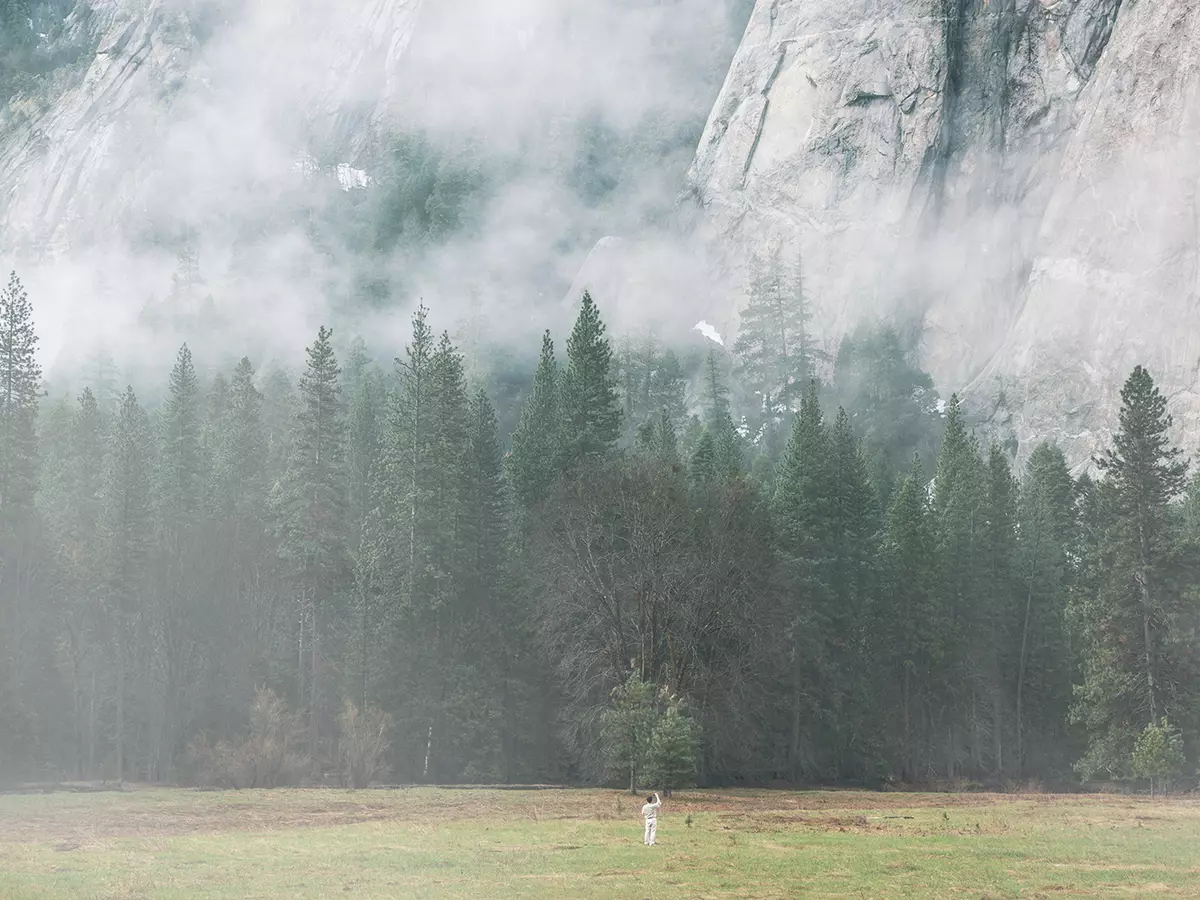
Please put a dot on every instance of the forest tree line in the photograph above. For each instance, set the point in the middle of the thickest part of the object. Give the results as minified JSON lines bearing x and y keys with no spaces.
{"x":757,"y":573}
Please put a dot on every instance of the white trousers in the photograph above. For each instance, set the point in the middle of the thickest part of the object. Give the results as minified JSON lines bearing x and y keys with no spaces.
{"x":651,"y":827}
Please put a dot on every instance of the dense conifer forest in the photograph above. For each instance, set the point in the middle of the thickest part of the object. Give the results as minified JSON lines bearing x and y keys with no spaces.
{"x":756,"y":564}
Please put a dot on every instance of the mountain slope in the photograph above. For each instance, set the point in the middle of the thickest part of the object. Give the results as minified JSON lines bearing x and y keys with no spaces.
{"x":985,"y":163}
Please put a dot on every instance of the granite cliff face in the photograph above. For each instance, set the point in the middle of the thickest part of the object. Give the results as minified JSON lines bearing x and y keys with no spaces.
{"x":93,"y":162}
{"x":1020,"y":171}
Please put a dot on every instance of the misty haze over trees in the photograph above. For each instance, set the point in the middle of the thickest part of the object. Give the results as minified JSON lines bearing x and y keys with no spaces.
{"x":744,"y":566}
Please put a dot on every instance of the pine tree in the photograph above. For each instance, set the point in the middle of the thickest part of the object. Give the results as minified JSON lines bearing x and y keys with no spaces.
{"x":666,"y":444}
{"x":775,"y":359}
{"x":728,"y":453}
{"x":674,"y":749}
{"x":363,"y":458}
{"x":591,"y":409}
{"x":627,"y":728}
{"x":216,"y":408}
{"x":855,"y":519}
{"x":88,"y":435}
{"x":484,"y":500}
{"x":487,"y":617}
{"x":855,"y":528}
{"x":180,"y":472}
{"x":716,"y":394}
{"x":356,"y":368}
{"x":309,"y":507}
{"x":450,"y":433}
{"x":241,"y":453}
{"x":1133,"y":668}
{"x":999,"y":593}
{"x":1158,"y":754}
{"x":180,"y":579}
{"x":727,"y":449}
{"x":20,"y":388}
{"x":703,"y":464}
{"x":890,"y":400}
{"x":402,"y":540}
{"x":1046,"y":540}
{"x":100,"y":372}
{"x":280,"y":407}
{"x":365,"y":427}
{"x":667,"y":389}
{"x":959,"y":496}
{"x":908,"y":631}
{"x":72,"y":494}
{"x":802,"y":507}
{"x":127,"y":534}
{"x":532,"y":464}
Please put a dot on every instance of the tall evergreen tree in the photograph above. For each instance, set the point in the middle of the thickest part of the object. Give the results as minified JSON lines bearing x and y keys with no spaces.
{"x":486,"y":679}
{"x":775,"y":356}
{"x":716,"y":393}
{"x":907,"y":633}
{"x":533,"y":463}
{"x":20,"y":388}
{"x":591,"y":410}
{"x":998,"y":597}
{"x":1133,"y":668}
{"x":241,"y":454}
{"x":280,"y":406}
{"x":1046,"y":545}
{"x":703,"y":465}
{"x":179,"y":585}
{"x":402,"y":537}
{"x":854,"y":529}
{"x":180,"y":484}
{"x":959,"y":496}
{"x":803,"y":509}
{"x":310,"y":510}
{"x":127,"y":540}
{"x":365,"y":427}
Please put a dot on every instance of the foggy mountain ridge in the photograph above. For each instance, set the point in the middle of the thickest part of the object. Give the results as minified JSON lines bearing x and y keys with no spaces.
{"x":1017,"y":172}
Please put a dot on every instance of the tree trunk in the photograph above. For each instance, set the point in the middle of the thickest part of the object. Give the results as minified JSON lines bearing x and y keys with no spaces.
{"x":1144,"y":586}
{"x":363,"y":600}
{"x":121,"y":653}
{"x":997,"y":719}
{"x":314,"y":714}
{"x":1146,"y":636}
{"x":76,"y":702}
{"x":796,"y":697}
{"x":91,"y":748}
{"x":1021,"y":682}
{"x":909,"y":749}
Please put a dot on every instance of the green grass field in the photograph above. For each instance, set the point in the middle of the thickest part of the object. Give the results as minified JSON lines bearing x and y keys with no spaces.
{"x":567,"y":844}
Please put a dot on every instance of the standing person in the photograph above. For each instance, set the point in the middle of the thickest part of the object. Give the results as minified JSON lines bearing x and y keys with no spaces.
{"x":650,"y":814}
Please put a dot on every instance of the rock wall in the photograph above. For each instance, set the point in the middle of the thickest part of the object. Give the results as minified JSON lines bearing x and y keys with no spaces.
{"x":1018,"y":171}
{"x":162,"y":118}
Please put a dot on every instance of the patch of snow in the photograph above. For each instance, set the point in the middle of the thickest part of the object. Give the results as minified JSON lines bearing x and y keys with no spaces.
{"x":709,"y":332}
{"x":349,"y":177}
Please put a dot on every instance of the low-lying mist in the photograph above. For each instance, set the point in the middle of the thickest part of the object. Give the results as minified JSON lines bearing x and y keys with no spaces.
{"x":234,"y":174}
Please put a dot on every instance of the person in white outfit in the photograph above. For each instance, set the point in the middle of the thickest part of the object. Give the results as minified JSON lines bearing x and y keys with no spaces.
{"x":650,"y":814}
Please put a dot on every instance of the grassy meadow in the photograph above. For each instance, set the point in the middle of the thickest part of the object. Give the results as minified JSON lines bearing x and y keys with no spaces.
{"x":166,"y":844}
